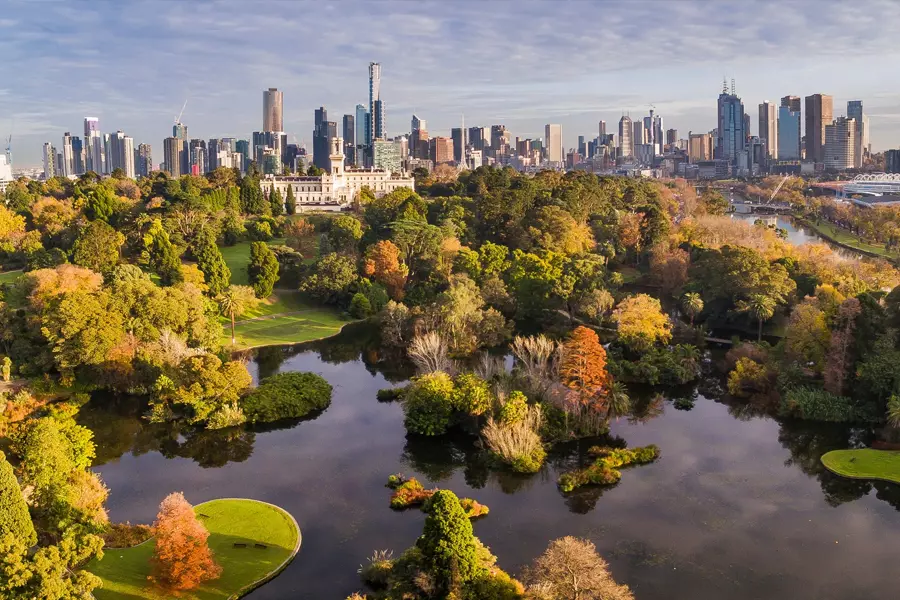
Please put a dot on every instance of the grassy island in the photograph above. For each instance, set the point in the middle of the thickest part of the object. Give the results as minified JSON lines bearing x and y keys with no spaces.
{"x":864,"y":463}
{"x":238,"y":528}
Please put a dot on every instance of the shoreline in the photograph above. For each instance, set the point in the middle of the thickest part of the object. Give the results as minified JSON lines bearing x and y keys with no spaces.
{"x":828,"y":237}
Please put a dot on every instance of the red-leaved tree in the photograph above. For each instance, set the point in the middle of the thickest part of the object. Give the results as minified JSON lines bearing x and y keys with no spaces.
{"x":183,"y":559}
{"x":583,"y":371}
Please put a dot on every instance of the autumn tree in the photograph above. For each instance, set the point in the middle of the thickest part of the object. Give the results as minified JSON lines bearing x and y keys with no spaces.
{"x":383,"y":264}
{"x":571,"y":569}
{"x":838,"y":361}
{"x":630,"y":232}
{"x":669,"y":268}
{"x":807,"y":337}
{"x":300,"y":235}
{"x":583,"y":367}
{"x":182,"y":559}
{"x":641,"y":322}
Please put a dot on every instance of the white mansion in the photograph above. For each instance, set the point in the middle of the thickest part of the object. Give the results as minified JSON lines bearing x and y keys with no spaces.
{"x":337,"y":188}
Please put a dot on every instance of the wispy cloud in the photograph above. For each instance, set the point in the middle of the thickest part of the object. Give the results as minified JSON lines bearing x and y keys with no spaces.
{"x":521,"y":63}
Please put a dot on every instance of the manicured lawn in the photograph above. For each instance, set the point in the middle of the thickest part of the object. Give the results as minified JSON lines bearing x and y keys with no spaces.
{"x":842,"y":236}
{"x":864,"y":463}
{"x":311,"y":324}
{"x":9,"y":276}
{"x":237,"y":258}
{"x":229,"y":521}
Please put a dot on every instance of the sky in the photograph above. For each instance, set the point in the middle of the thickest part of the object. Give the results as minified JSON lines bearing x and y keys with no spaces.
{"x":133,"y":63}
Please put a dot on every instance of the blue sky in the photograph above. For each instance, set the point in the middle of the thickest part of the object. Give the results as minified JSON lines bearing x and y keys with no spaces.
{"x":132,"y":63}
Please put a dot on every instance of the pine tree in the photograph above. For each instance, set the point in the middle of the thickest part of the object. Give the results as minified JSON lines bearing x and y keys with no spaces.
{"x":14,"y":517}
{"x":447,"y":542}
{"x":290,"y":202}
{"x":276,"y":201}
{"x":182,"y":560}
{"x":209,"y":259}
{"x":253,"y":202}
{"x":262,"y":270}
{"x":161,"y":255}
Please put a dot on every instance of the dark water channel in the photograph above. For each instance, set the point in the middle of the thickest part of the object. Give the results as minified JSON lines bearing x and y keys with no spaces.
{"x":737,"y":507}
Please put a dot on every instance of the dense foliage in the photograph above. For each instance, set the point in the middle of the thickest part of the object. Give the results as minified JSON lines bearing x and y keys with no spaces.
{"x":287,"y":396}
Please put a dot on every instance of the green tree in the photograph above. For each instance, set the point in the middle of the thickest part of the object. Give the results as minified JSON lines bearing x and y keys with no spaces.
{"x":216,"y":273}
{"x":314,"y":171}
{"x":47,"y":460}
{"x":762,"y":308}
{"x":345,"y":233}
{"x":253,"y":202}
{"x":714,"y":202}
{"x":276,"y":201}
{"x":53,"y":572}
{"x":14,"y":517}
{"x":234,"y":300}
{"x":448,"y":544}
{"x":893,"y":411}
{"x":428,"y":404}
{"x":100,"y":203}
{"x":161,"y":255}
{"x":97,"y":247}
{"x":472,"y":394}
{"x":290,"y":202}
{"x":262,"y":270}
{"x":692,"y":305}
{"x":330,"y":279}
{"x":617,"y":401}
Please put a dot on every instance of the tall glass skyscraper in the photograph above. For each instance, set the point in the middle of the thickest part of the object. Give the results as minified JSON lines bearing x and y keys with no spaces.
{"x":788,"y":133}
{"x":375,"y":126}
{"x":732,"y":126}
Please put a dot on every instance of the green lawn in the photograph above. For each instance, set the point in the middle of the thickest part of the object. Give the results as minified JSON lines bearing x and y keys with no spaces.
{"x":237,"y":258}
{"x":229,"y":521}
{"x":314,"y":323}
{"x":864,"y":463}
{"x":9,"y":276}
{"x":842,"y":236}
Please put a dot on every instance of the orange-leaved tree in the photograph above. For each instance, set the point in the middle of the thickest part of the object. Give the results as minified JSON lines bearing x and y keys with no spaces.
{"x":182,"y":560}
{"x":383,"y":263}
{"x":583,"y":367}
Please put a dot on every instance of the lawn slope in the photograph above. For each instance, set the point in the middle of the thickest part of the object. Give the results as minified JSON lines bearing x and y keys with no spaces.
{"x":864,"y":463}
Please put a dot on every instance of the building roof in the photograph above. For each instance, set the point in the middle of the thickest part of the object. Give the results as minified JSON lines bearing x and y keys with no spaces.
{"x":877,"y":201}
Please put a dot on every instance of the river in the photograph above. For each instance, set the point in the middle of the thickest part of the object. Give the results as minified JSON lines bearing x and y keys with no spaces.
{"x":737,"y":507}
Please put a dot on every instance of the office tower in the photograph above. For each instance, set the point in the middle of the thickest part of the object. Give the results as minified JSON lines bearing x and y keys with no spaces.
{"x":788,"y":133}
{"x":362,"y":125}
{"x":792,"y":102}
{"x":212,"y":154}
{"x":671,"y":137}
{"x":242,"y":147}
{"x":173,"y":149}
{"x":416,"y":123}
{"x":49,"y":156}
{"x":77,"y":156}
{"x":67,"y":166}
{"x":349,"y":132}
{"x":553,"y":139}
{"x":500,"y":137}
{"x":700,"y":147}
{"x":458,"y":135}
{"x":418,"y":138}
{"x":892,"y":161}
{"x":322,"y":136}
{"x":732,"y":133}
{"x":819,"y":114}
{"x":198,"y":156}
{"x":388,"y":155}
{"x":840,"y":142}
{"x":376,"y":109}
{"x":273,"y":107}
{"x":626,"y":137}
{"x":582,"y":148}
{"x":180,"y":131}
{"x":93,"y":145}
{"x":115,"y":155}
{"x":639,"y":137}
{"x":128,"y":158}
{"x":768,"y":128}
{"x":441,"y":150}
{"x":478,"y":138}
{"x":144,"y":162}
{"x":861,"y":147}
{"x":602,"y":129}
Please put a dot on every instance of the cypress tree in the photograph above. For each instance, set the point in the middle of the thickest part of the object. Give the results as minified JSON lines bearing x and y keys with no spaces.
{"x":252,"y":200}
{"x":276,"y":201}
{"x":14,"y":517}
{"x":290,"y":202}
{"x":209,"y":259}
{"x":447,"y":542}
{"x":262,"y":270}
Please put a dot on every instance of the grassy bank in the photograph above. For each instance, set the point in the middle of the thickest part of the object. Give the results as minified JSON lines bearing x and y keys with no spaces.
{"x":864,"y":463}
{"x":9,"y":276}
{"x":844,"y":238}
{"x":237,"y":258}
{"x":229,"y":521}
{"x":283,"y":318}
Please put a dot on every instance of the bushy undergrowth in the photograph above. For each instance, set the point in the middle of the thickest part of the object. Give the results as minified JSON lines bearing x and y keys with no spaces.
{"x":517,"y":443}
{"x":428,"y":404}
{"x":126,"y":535}
{"x":287,"y":396}
{"x":409,"y":493}
{"x":817,"y":405}
{"x":660,"y":366}
{"x":605,"y":470}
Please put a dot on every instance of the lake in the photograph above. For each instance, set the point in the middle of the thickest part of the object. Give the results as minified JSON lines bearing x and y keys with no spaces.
{"x":738,"y":506}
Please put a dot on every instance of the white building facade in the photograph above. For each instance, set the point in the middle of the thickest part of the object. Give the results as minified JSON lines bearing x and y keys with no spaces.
{"x":337,"y":189}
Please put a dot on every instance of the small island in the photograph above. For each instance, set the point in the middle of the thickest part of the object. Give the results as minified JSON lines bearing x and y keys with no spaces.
{"x":864,"y":463}
{"x":252,"y":542}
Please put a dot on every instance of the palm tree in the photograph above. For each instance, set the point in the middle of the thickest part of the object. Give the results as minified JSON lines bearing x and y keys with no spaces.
{"x":234,"y":301}
{"x":618,"y":402}
{"x":762,"y":308}
{"x":893,"y":411}
{"x":688,"y":357}
{"x":692,"y":304}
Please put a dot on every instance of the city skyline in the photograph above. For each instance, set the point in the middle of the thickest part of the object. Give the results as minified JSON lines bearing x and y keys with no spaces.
{"x":571,"y":76}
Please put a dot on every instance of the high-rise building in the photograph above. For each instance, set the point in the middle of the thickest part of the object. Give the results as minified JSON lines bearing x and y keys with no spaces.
{"x":861,"y":146}
{"x":582,"y":146}
{"x":731,"y":125}
{"x":478,"y":138}
{"x":144,"y":163}
{"x":553,"y":139}
{"x":700,"y":147}
{"x":500,"y":137}
{"x":792,"y":102}
{"x":441,"y":150}
{"x":768,"y":128}
{"x":273,"y":110}
{"x":788,"y":133}
{"x":388,"y":155}
{"x":376,"y":109}
{"x":362,"y":126}
{"x":321,"y":137}
{"x":93,"y":145}
{"x":173,"y":151}
{"x":77,"y":156}
{"x":212,"y":154}
{"x":49,"y":156}
{"x":68,"y":162}
{"x":840,"y":142}
{"x":640,"y":135}
{"x":198,"y":157}
{"x":458,"y":135}
{"x":626,"y":137}
{"x":602,"y":129}
{"x":128,"y":158}
{"x":819,"y":114}
{"x":242,"y":147}
{"x":115,"y":153}
{"x":180,"y":131}
{"x":418,"y":138}
{"x":671,"y":137}
{"x":892,"y":161}
{"x":349,"y":131}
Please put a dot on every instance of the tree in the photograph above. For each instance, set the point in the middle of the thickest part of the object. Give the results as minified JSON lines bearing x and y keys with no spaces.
{"x":182,"y":559}
{"x":838,"y":361}
{"x":555,"y":229}
{"x":161,"y":255}
{"x":47,"y":460}
{"x":276,"y":201}
{"x":761,"y":307}
{"x":197,"y":386}
{"x":262,"y":270}
{"x":300,"y":235}
{"x":714,"y":202}
{"x":97,"y":247}
{"x":641,"y":322}
{"x":253,"y":202}
{"x":571,"y":569}
{"x":428,"y":404}
{"x":100,"y":203}
{"x":617,"y":400}
{"x":14,"y":517}
{"x":216,"y":273}
{"x":692,"y":305}
{"x":448,"y":544}
{"x":234,"y":300}
{"x":345,"y":233}
{"x":52,"y":571}
{"x":893,"y":411}
{"x":583,"y":367}
{"x":807,"y":336}
{"x":472,"y":394}
{"x":330,"y":278}
{"x":383,"y":264}
{"x":290,"y":202}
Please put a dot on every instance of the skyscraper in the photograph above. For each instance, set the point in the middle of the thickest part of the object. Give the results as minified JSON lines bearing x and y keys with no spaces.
{"x":819,"y":114}
{"x":602,"y":129}
{"x":840,"y":142}
{"x":792,"y":102}
{"x":115,"y":155}
{"x":788,"y":133}
{"x":640,"y":136}
{"x":892,"y":161}
{"x":700,"y":147}
{"x":418,"y":137}
{"x":553,"y":139}
{"x":128,"y":158}
{"x":478,"y":138}
{"x":499,"y":141}
{"x":320,"y":139}
{"x":626,"y":139}
{"x":362,"y":124}
{"x":458,"y":135}
{"x":68,"y":163}
{"x":273,"y":107}
{"x":376,"y":109}
{"x":93,"y":145}
{"x":349,"y":131}
{"x":732,"y":134}
{"x":144,"y":163}
{"x":768,"y":128}
{"x":77,"y":156}
{"x":861,"y":145}
{"x":441,"y":150}
{"x":49,"y":156}
{"x":173,"y":149}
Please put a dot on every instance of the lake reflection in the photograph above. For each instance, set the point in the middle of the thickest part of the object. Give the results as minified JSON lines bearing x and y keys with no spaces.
{"x":738,"y":506}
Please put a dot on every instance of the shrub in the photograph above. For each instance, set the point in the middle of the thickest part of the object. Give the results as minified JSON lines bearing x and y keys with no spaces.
{"x":517,"y":444}
{"x":605,"y":470}
{"x":259,"y":231}
{"x":683,"y":403}
{"x":377,"y":573}
{"x":472,"y":394}
{"x":473,"y":508}
{"x":816,"y":405}
{"x":428,"y":404}
{"x":229,"y":415}
{"x":14,"y":517}
{"x":360,"y":307}
{"x":126,"y":535}
{"x":390,"y":394}
{"x":494,"y":584}
{"x":748,"y":377}
{"x":514,"y":409}
{"x":410,"y":493}
{"x":287,"y":396}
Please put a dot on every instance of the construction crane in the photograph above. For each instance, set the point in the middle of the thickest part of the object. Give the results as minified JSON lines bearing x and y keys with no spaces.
{"x":178,"y":118}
